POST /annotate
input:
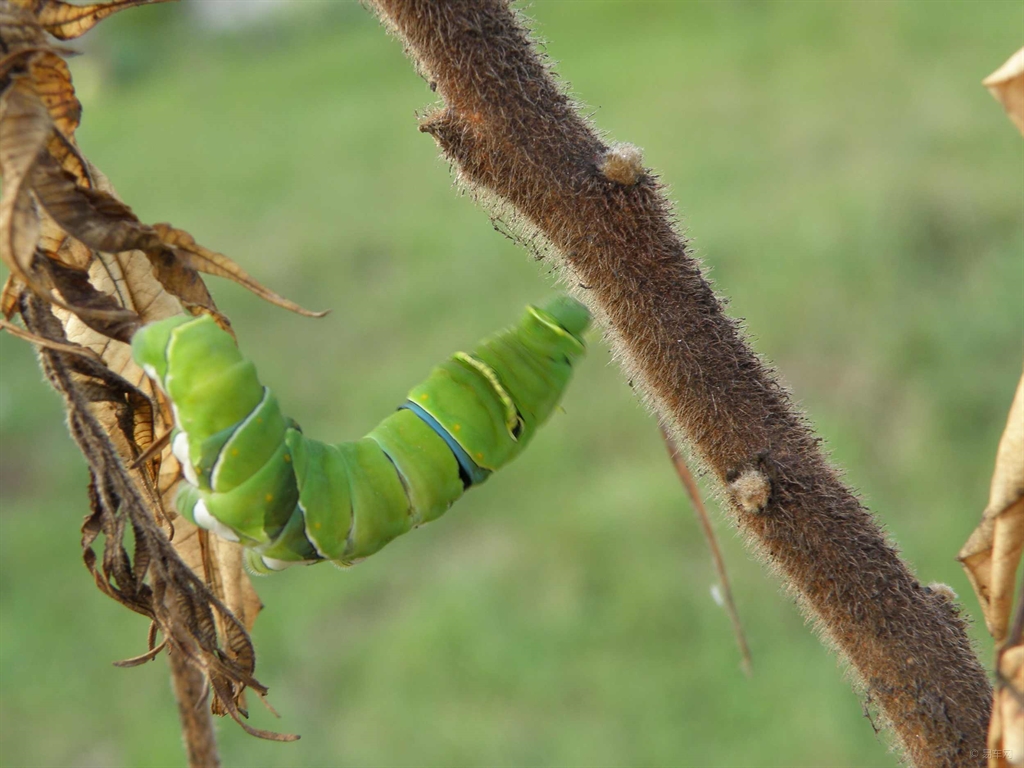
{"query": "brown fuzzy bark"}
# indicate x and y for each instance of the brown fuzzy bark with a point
(512, 133)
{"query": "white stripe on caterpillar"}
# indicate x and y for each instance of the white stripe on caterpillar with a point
(205, 520)
(180, 450)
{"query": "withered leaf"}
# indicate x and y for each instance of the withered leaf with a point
(25, 127)
(212, 263)
(116, 322)
(51, 80)
(992, 554)
(42, 341)
(19, 31)
(1006, 733)
(1006, 84)
(9, 296)
(66, 153)
(65, 20)
(98, 219)
(58, 244)
(181, 280)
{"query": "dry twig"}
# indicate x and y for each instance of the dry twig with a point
(699, 510)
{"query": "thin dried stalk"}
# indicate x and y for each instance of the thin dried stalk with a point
(191, 692)
(513, 134)
(701, 513)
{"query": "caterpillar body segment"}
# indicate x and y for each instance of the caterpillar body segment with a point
(492, 401)
(253, 477)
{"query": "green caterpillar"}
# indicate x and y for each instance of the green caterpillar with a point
(253, 477)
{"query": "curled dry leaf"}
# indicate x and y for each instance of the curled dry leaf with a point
(210, 262)
(992, 554)
(52, 82)
(66, 20)
(1007, 85)
(9, 296)
(71, 349)
(20, 31)
(74, 285)
(1006, 734)
(25, 127)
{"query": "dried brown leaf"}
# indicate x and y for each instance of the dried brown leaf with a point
(65, 20)
(142, 658)
(181, 280)
(9, 296)
(25, 127)
(100, 221)
(16, 58)
(95, 217)
(66, 153)
(72, 349)
(58, 244)
(20, 32)
(213, 263)
(1006, 733)
(51, 80)
(1006, 84)
(992, 554)
(76, 289)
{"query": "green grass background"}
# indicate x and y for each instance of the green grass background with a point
(845, 178)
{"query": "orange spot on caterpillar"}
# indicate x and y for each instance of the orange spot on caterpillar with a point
(456, 427)
(269, 498)
(479, 455)
(317, 525)
(424, 396)
(234, 451)
(287, 459)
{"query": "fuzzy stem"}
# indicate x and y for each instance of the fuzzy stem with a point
(513, 133)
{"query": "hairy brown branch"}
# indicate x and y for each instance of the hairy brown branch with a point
(513, 134)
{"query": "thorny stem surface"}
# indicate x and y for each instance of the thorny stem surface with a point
(514, 135)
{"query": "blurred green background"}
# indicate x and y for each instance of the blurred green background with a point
(852, 188)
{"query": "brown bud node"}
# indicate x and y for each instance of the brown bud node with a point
(751, 489)
(623, 164)
(944, 591)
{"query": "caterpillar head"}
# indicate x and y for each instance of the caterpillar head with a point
(568, 313)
